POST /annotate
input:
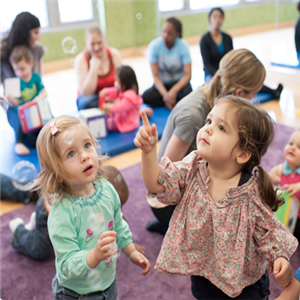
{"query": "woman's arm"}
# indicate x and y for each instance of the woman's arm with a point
(176, 148)
(87, 77)
(206, 56)
(157, 81)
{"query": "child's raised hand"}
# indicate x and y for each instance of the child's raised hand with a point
(140, 260)
(282, 271)
(147, 135)
(292, 188)
(104, 244)
(102, 93)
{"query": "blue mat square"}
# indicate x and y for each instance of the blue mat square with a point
(115, 143)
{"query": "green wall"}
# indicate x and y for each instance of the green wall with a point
(124, 29)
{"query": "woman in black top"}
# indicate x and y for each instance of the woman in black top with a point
(297, 34)
(215, 44)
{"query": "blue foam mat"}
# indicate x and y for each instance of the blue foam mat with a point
(262, 98)
(115, 143)
(285, 65)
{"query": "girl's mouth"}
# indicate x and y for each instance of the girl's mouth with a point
(204, 141)
(88, 169)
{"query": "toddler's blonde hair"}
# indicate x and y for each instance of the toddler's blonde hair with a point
(54, 178)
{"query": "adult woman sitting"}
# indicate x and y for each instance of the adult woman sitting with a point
(170, 63)
(25, 31)
(297, 34)
(216, 43)
(95, 68)
(240, 73)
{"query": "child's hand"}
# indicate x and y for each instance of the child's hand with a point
(106, 107)
(275, 178)
(102, 93)
(292, 188)
(282, 271)
(15, 102)
(104, 244)
(140, 260)
(147, 135)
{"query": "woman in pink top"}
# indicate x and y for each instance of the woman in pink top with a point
(122, 102)
(223, 231)
(288, 174)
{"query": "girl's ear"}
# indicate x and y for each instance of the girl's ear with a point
(243, 157)
(239, 92)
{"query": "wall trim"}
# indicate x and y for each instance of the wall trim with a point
(63, 64)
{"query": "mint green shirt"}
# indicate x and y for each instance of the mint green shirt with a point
(74, 227)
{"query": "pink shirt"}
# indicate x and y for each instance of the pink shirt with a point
(126, 110)
(287, 176)
(229, 242)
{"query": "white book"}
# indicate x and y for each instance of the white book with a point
(12, 86)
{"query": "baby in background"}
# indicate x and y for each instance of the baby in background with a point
(223, 232)
(287, 175)
(32, 89)
(85, 222)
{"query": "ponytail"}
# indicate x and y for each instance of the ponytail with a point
(238, 69)
(268, 193)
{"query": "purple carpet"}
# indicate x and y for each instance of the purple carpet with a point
(23, 278)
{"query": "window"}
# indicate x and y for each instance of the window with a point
(81, 10)
(167, 5)
(13, 8)
(196, 4)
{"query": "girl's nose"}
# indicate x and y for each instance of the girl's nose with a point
(84, 156)
(208, 129)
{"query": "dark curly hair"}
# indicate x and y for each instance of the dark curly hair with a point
(19, 33)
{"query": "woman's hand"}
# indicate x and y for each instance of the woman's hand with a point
(95, 62)
(147, 136)
(140, 260)
(282, 271)
(170, 99)
(293, 188)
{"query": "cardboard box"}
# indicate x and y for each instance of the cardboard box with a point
(95, 118)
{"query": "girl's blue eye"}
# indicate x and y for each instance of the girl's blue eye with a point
(208, 121)
(87, 145)
(222, 128)
(71, 154)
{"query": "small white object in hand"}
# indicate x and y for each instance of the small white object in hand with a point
(151, 140)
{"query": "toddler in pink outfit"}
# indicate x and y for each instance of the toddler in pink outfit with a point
(122, 102)
(288, 173)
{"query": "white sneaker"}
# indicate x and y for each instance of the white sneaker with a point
(13, 224)
(31, 225)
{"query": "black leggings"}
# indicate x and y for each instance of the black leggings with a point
(163, 215)
(153, 98)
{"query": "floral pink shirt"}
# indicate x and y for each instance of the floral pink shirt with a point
(229, 242)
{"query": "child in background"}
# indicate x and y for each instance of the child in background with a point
(122, 102)
(292, 291)
(288, 174)
(85, 221)
(223, 231)
(32, 89)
